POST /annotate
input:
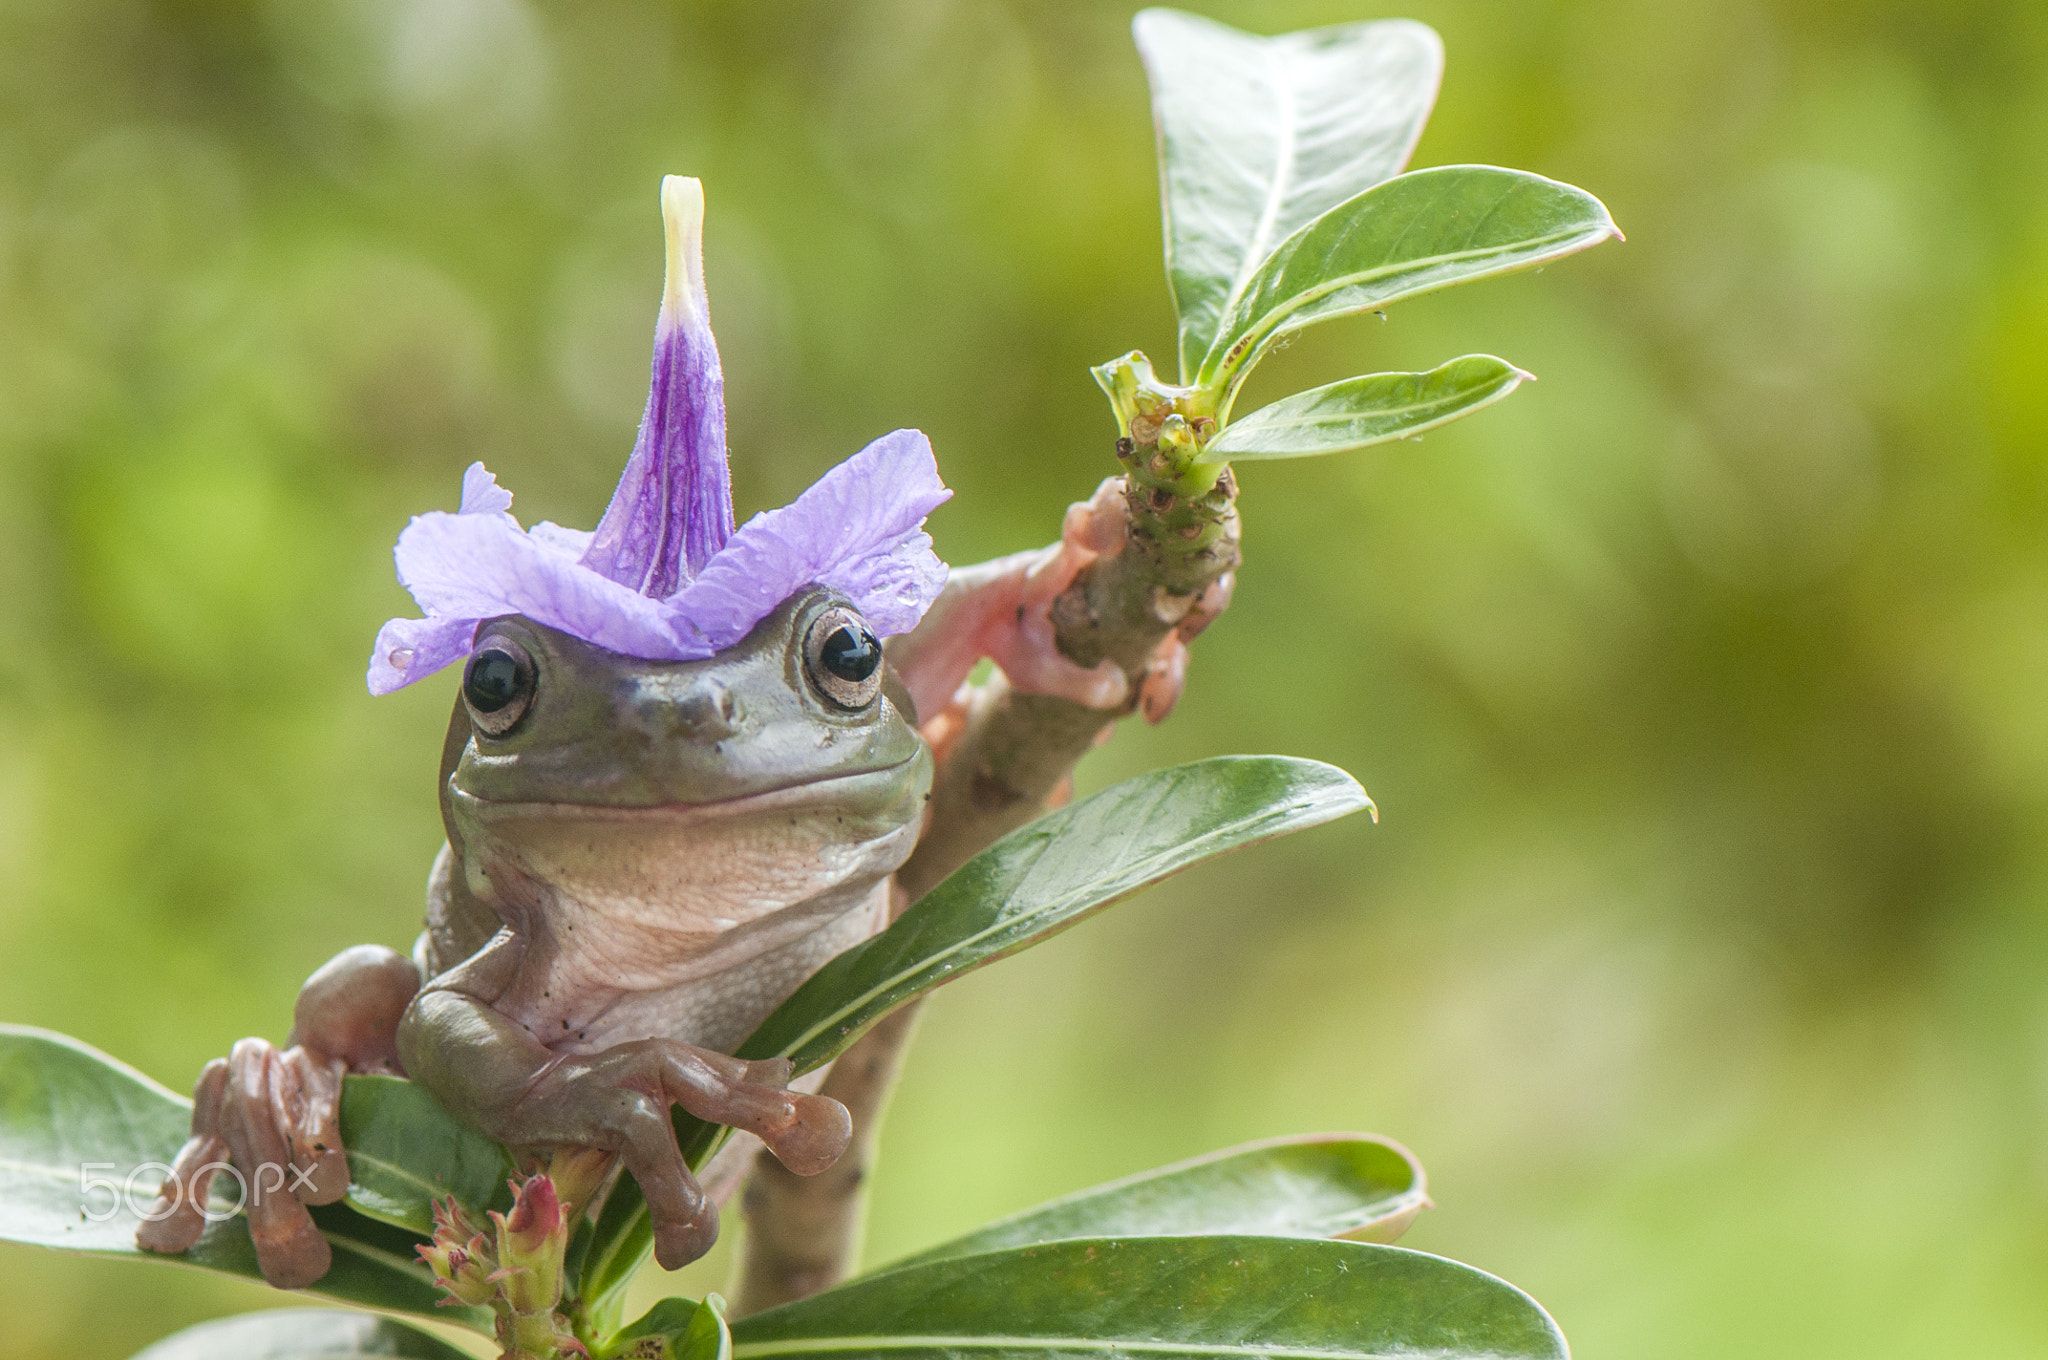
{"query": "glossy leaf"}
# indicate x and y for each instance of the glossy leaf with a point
(1418, 232)
(405, 1151)
(1360, 412)
(1047, 876)
(303, 1334)
(693, 1331)
(609, 1251)
(84, 1142)
(1349, 1186)
(1259, 136)
(1262, 1298)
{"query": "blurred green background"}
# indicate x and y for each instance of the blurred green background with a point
(1700, 953)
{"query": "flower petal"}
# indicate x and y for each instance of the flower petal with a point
(664, 576)
(413, 649)
(479, 567)
(673, 507)
(893, 589)
(855, 530)
(481, 494)
(569, 542)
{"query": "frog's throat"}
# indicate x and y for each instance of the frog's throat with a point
(690, 921)
(674, 879)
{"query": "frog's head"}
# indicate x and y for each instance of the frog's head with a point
(805, 702)
(700, 794)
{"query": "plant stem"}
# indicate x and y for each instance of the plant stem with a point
(803, 1233)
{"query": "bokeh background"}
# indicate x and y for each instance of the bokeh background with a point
(1700, 953)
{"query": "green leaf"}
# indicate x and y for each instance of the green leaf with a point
(84, 1144)
(693, 1331)
(1262, 1298)
(1259, 136)
(609, 1251)
(1334, 1185)
(303, 1334)
(405, 1151)
(1047, 876)
(1418, 232)
(1359, 412)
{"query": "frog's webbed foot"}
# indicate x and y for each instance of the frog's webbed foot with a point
(1004, 610)
(272, 1117)
(1023, 642)
(619, 1100)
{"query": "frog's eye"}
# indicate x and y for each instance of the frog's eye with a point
(498, 686)
(844, 658)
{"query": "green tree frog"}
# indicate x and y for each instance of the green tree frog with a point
(679, 776)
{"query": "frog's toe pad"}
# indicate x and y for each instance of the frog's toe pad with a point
(679, 1241)
(815, 1138)
(295, 1256)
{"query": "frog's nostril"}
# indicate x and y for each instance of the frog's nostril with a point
(708, 710)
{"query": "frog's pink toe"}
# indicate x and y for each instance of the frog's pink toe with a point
(178, 1221)
(678, 1242)
(306, 1098)
(1098, 525)
(767, 1071)
(1164, 679)
(1167, 673)
(1033, 663)
(1208, 606)
(178, 1217)
(294, 1254)
(945, 727)
(685, 1221)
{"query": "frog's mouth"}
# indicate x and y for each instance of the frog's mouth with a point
(872, 792)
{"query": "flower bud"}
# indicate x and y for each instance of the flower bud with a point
(531, 1242)
(462, 1268)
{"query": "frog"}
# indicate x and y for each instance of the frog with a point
(682, 770)
(643, 859)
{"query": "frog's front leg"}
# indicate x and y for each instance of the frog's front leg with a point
(273, 1115)
(492, 1071)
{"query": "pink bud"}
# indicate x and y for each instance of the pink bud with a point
(536, 1214)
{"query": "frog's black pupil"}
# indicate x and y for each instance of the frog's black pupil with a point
(493, 681)
(851, 653)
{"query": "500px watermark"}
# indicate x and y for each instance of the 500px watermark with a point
(149, 1193)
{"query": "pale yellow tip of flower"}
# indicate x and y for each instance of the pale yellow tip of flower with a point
(682, 220)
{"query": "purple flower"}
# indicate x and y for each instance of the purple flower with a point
(665, 575)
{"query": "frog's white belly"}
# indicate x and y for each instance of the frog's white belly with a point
(740, 981)
(695, 929)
